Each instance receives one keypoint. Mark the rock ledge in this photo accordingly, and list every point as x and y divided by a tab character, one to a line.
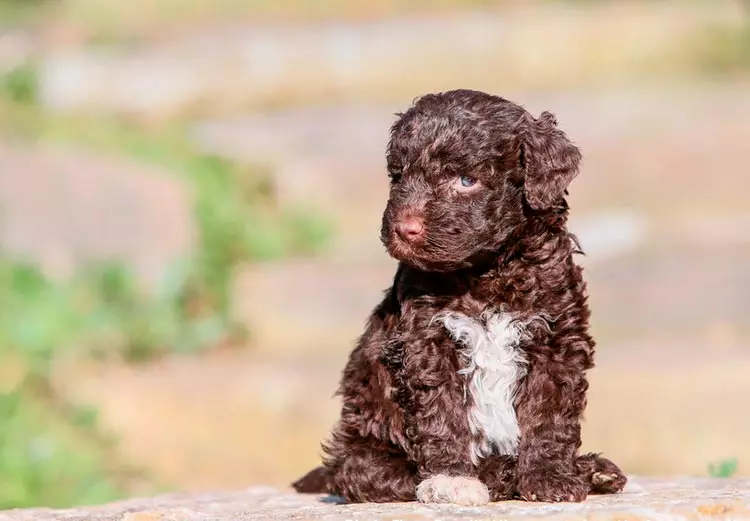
647	499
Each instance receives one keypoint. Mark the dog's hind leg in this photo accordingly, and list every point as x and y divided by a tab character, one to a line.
604	476
365	475
314	482
499	474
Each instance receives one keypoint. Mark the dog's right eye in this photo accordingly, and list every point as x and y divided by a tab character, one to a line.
395	175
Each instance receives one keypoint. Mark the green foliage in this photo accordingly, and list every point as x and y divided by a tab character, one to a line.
723	469
100	311
17	12
40	461
42	458
103	311
234	213
53	453
19	85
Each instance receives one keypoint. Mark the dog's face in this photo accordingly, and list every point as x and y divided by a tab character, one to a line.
467	169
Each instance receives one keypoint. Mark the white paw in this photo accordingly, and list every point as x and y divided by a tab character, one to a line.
453	489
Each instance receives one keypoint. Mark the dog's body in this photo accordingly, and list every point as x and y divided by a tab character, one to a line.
469	382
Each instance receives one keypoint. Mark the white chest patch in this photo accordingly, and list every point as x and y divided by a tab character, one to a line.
494	366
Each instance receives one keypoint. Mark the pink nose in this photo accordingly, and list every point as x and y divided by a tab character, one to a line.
410	228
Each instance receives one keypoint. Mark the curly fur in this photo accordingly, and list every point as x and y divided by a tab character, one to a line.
471	395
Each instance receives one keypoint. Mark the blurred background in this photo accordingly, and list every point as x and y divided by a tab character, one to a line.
190	197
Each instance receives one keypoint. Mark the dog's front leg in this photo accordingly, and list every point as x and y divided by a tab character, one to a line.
438	429
549	409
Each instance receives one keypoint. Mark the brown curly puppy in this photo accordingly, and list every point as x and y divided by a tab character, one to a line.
469	382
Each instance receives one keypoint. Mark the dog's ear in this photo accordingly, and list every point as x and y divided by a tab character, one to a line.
549	160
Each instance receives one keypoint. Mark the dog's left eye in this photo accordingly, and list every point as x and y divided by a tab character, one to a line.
466	181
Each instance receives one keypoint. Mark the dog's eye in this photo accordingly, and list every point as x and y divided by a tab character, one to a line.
466	181
395	175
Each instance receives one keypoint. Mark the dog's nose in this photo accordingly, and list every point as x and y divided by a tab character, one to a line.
410	228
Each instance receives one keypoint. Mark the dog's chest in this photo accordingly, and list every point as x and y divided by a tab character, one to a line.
494	364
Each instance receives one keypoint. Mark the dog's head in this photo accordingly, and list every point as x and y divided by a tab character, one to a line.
467	169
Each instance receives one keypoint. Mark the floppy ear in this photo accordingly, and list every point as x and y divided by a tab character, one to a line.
550	161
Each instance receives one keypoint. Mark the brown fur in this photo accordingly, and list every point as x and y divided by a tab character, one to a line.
495	241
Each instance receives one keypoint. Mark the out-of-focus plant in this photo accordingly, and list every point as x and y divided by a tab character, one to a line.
53	453
726	48
235	215
42	459
20	83
723	469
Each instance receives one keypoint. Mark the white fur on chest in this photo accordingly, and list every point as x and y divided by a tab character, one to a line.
495	364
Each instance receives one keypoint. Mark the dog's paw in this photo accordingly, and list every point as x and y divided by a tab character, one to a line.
607	478
453	489
553	485
602	479
608	482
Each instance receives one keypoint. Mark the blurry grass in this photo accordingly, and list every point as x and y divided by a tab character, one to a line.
723	469
99	312
52	454
19	85
41	461
22	12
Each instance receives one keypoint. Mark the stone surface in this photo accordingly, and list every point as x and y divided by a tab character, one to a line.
644	499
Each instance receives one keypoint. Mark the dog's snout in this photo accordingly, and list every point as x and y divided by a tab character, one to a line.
410	227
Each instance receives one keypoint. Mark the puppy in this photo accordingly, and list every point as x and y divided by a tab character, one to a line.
469	382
